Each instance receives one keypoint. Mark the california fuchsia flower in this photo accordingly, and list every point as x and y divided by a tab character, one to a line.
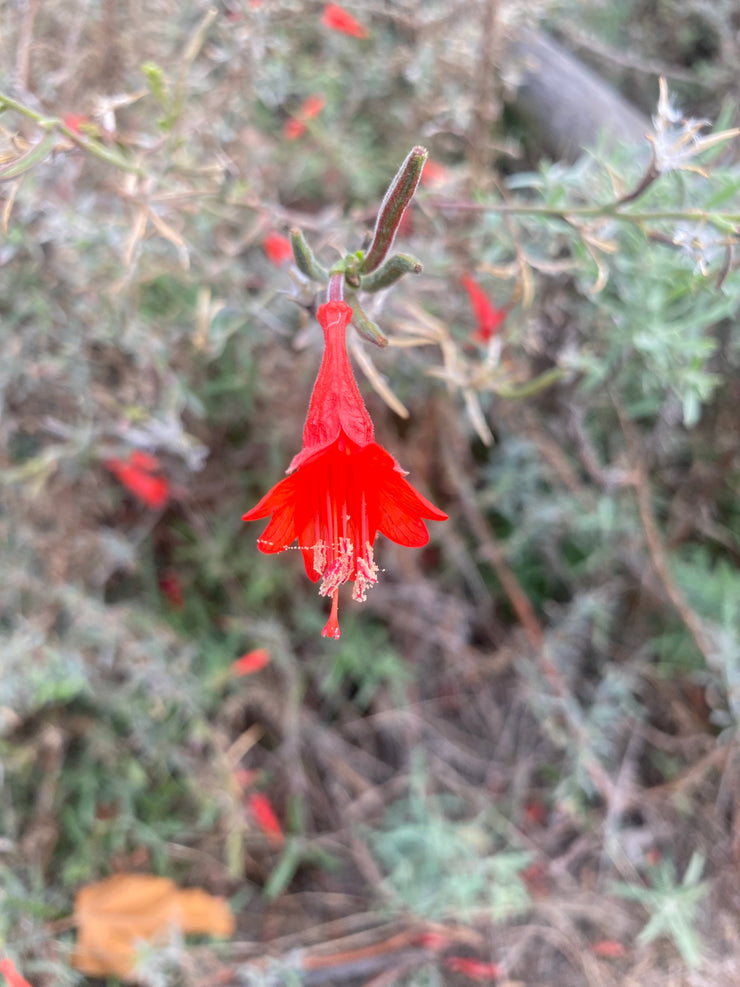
488	317
473	969
9	971
141	476
75	122
338	19
266	818
296	126
277	248
251	662
342	488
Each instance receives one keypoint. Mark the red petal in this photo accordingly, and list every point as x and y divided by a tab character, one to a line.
401	509
75	122
144	461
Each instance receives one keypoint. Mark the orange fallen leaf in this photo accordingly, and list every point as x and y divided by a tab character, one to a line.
113	915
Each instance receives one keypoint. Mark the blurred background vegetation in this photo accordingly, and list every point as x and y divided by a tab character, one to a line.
520	761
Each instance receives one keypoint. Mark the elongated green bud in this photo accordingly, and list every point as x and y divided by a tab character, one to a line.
389	272
368	329
33	156
304	258
392	208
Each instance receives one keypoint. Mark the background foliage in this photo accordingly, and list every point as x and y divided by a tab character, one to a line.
530	726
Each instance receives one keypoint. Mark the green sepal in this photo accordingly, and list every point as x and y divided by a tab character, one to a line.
368	329
304	258
391	271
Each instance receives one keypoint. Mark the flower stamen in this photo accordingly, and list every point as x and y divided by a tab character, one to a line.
331	628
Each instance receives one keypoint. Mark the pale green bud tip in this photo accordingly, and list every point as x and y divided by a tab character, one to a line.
304	258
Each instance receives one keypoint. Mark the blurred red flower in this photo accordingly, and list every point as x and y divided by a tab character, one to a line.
263	814
338	19
251	662
433	173
277	248
609	949
473	969
74	122
310	108
488	317
343	487
9	971
141	476
171	588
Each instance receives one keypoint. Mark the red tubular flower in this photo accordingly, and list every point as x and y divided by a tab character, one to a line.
277	248
264	815
75	122
251	662
488	317
338	19
474	969
342	487
140	475
12	977
609	949
296	126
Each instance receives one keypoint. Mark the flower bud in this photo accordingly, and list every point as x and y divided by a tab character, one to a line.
393	207
389	272
304	258
368	329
